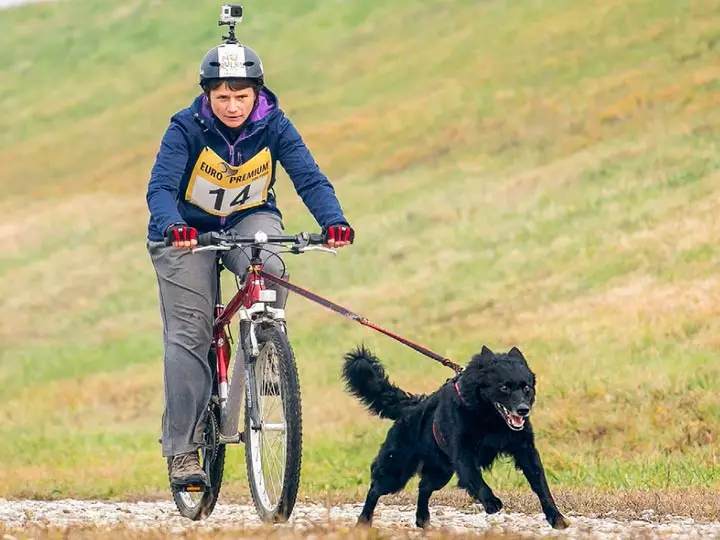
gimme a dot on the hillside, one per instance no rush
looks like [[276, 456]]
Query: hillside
[[542, 175]]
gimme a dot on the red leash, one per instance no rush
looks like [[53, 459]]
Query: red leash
[[358, 318]]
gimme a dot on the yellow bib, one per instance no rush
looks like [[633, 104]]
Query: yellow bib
[[221, 189]]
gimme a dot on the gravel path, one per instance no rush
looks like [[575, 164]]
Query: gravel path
[[163, 516]]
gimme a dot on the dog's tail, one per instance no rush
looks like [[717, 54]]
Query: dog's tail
[[366, 379]]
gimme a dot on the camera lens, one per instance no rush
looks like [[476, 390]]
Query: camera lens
[[236, 11]]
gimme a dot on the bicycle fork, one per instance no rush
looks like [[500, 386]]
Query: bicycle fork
[[231, 395], [242, 383]]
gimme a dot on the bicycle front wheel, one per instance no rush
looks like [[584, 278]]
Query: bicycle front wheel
[[273, 447]]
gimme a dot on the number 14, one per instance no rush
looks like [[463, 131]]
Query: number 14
[[241, 198]]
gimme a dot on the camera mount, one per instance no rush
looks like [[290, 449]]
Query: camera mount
[[230, 15]]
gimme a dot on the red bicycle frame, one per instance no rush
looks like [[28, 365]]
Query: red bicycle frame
[[249, 294]]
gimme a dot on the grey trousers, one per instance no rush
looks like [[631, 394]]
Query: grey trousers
[[186, 283]]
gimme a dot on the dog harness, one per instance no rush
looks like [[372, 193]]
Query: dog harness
[[440, 439], [462, 399]]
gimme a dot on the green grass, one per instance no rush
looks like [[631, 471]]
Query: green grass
[[539, 174]]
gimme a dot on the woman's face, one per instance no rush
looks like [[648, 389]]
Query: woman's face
[[232, 107]]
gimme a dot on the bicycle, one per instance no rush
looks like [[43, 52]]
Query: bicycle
[[266, 372]]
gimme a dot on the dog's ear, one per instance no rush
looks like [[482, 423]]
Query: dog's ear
[[516, 353], [486, 353]]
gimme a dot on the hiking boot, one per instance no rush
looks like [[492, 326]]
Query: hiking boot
[[185, 470]]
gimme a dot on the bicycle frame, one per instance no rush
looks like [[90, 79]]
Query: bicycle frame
[[250, 302]]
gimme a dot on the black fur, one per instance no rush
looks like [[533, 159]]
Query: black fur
[[460, 428], [372, 387]]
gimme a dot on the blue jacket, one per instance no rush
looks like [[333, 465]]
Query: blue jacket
[[193, 129]]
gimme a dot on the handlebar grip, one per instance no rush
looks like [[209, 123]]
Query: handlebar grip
[[207, 239], [315, 238], [168, 241]]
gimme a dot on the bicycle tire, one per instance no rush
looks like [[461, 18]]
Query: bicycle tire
[[275, 507], [212, 459]]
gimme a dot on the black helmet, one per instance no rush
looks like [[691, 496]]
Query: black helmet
[[231, 61]]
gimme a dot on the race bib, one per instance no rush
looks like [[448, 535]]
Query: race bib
[[221, 189]]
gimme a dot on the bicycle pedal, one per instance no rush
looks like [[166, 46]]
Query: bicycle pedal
[[196, 489]]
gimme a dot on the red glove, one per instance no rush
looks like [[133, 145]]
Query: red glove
[[180, 235], [338, 235]]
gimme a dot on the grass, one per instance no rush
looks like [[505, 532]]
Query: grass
[[539, 174]]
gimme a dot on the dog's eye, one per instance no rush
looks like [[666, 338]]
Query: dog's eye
[[526, 389], [504, 388]]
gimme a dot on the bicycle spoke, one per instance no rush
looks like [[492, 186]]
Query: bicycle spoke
[[267, 470], [272, 464], [276, 465], [274, 455], [274, 486]]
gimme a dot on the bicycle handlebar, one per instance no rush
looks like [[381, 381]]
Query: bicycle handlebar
[[231, 238], [228, 240]]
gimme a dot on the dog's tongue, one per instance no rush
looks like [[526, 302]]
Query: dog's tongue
[[516, 421]]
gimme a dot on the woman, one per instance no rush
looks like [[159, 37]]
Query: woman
[[215, 171]]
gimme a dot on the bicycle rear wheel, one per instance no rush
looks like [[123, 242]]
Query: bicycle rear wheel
[[273, 449], [198, 505]]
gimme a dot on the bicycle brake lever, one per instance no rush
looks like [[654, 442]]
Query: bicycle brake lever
[[319, 248], [210, 248]]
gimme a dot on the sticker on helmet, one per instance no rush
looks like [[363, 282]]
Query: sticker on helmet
[[232, 61]]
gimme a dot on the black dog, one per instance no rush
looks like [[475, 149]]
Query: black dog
[[460, 428]]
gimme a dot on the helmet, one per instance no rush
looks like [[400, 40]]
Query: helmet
[[231, 60]]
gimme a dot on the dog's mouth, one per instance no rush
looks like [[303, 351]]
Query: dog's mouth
[[514, 421]]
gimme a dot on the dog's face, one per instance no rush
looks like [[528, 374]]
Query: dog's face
[[506, 381]]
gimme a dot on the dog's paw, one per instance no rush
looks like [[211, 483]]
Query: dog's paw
[[363, 521], [492, 504], [559, 521]]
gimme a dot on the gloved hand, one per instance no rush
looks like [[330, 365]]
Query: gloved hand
[[179, 235], [339, 235]]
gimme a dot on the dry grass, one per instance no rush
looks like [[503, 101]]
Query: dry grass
[[113, 398]]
